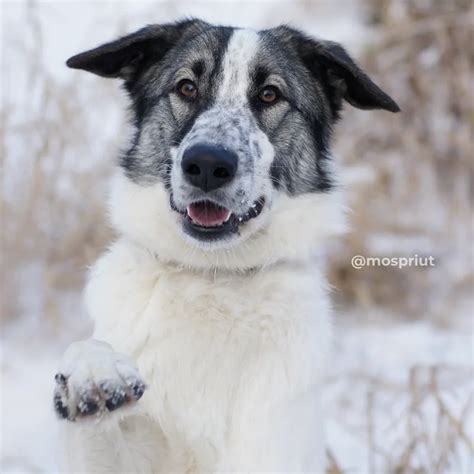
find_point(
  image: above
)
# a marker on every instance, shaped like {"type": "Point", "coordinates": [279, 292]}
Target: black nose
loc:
{"type": "Point", "coordinates": [209, 167]}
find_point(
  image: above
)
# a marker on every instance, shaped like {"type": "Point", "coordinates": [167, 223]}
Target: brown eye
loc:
{"type": "Point", "coordinates": [187, 89]}
{"type": "Point", "coordinates": [268, 94]}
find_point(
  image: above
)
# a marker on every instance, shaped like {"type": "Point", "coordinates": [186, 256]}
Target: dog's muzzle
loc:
{"type": "Point", "coordinates": [209, 171]}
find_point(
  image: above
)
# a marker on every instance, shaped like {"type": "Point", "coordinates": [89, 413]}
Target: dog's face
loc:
{"type": "Point", "coordinates": [227, 121]}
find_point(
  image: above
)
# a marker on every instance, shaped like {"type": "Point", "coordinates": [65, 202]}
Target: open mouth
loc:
{"type": "Point", "coordinates": [207, 214]}
{"type": "Point", "coordinates": [207, 220]}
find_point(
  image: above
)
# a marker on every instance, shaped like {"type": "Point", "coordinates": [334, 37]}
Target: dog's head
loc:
{"type": "Point", "coordinates": [230, 162]}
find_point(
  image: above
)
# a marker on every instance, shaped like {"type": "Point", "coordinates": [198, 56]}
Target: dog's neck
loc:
{"type": "Point", "coordinates": [216, 272]}
{"type": "Point", "coordinates": [295, 230]}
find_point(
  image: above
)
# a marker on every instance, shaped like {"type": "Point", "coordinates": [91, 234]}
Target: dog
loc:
{"type": "Point", "coordinates": [212, 322]}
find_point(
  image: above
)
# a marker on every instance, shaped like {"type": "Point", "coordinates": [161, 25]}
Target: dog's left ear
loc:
{"type": "Point", "coordinates": [131, 54]}
{"type": "Point", "coordinates": [342, 77]}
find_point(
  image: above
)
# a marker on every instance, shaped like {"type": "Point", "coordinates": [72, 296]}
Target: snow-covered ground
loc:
{"type": "Point", "coordinates": [391, 384]}
{"type": "Point", "coordinates": [399, 391]}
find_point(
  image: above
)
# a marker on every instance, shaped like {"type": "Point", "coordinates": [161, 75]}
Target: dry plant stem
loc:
{"type": "Point", "coordinates": [333, 466]}
{"type": "Point", "coordinates": [456, 423]}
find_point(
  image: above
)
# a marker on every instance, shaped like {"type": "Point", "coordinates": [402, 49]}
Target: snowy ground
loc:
{"type": "Point", "coordinates": [382, 396]}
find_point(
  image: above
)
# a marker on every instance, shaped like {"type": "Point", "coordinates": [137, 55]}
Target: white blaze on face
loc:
{"type": "Point", "coordinates": [232, 96]}
{"type": "Point", "coordinates": [231, 124]}
{"type": "Point", "coordinates": [242, 48]}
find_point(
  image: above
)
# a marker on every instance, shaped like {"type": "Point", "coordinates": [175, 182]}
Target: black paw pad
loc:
{"type": "Point", "coordinates": [60, 379]}
{"type": "Point", "coordinates": [138, 389]}
{"type": "Point", "coordinates": [88, 406]}
{"type": "Point", "coordinates": [114, 396]}
{"type": "Point", "coordinates": [60, 408]}
{"type": "Point", "coordinates": [116, 401]}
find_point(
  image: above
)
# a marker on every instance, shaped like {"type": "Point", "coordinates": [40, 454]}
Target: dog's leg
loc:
{"type": "Point", "coordinates": [286, 436]}
{"type": "Point", "coordinates": [96, 388]}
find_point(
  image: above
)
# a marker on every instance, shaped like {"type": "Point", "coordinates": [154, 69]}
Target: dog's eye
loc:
{"type": "Point", "coordinates": [187, 89]}
{"type": "Point", "coordinates": [269, 94]}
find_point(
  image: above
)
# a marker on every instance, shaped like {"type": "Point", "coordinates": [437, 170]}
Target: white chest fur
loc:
{"type": "Point", "coordinates": [214, 349]}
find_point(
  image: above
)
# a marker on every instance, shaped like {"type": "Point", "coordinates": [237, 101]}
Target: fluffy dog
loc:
{"type": "Point", "coordinates": [210, 308]}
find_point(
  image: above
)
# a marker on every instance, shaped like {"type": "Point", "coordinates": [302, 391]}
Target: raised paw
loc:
{"type": "Point", "coordinates": [95, 380]}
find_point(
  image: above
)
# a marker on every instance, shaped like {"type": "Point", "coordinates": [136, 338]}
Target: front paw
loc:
{"type": "Point", "coordinates": [94, 380]}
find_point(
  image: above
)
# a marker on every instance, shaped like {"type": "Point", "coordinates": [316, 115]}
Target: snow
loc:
{"type": "Point", "coordinates": [393, 363]}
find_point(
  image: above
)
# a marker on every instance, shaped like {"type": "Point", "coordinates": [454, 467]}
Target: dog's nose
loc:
{"type": "Point", "coordinates": [209, 167]}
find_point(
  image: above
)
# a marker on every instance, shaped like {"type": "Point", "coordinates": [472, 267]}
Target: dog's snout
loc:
{"type": "Point", "coordinates": [209, 167]}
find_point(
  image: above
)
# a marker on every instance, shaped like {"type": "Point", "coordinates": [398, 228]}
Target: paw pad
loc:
{"type": "Point", "coordinates": [60, 379]}
{"type": "Point", "coordinates": [138, 389]}
{"type": "Point", "coordinates": [61, 409]}
{"type": "Point", "coordinates": [115, 396]}
{"type": "Point", "coordinates": [88, 407]}
{"type": "Point", "coordinates": [95, 380]}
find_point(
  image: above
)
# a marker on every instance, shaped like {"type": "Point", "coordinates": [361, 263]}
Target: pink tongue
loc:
{"type": "Point", "coordinates": [208, 214]}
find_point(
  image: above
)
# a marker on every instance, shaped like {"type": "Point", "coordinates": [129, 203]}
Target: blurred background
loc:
{"type": "Point", "coordinates": [400, 393]}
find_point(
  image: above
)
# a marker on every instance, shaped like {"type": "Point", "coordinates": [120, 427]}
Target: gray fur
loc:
{"type": "Point", "coordinates": [281, 147]}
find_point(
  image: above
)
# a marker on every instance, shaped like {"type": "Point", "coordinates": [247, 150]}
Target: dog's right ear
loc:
{"type": "Point", "coordinates": [128, 56]}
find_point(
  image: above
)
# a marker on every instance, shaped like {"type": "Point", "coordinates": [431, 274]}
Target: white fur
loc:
{"type": "Point", "coordinates": [231, 341]}
{"type": "Point", "coordinates": [233, 365]}
{"type": "Point", "coordinates": [242, 47]}
{"type": "Point", "coordinates": [233, 359]}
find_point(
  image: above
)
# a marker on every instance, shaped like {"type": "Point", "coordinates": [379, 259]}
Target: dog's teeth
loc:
{"type": "Point", "coordinates": [241, 219]}
{"type": "Point", "coordinates": [228, 216]}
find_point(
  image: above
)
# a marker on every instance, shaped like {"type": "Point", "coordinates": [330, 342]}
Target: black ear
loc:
{"type": "Point", "coordinates": [342, 77]}
{"type": "Point", "coordinates": [128, 55]}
